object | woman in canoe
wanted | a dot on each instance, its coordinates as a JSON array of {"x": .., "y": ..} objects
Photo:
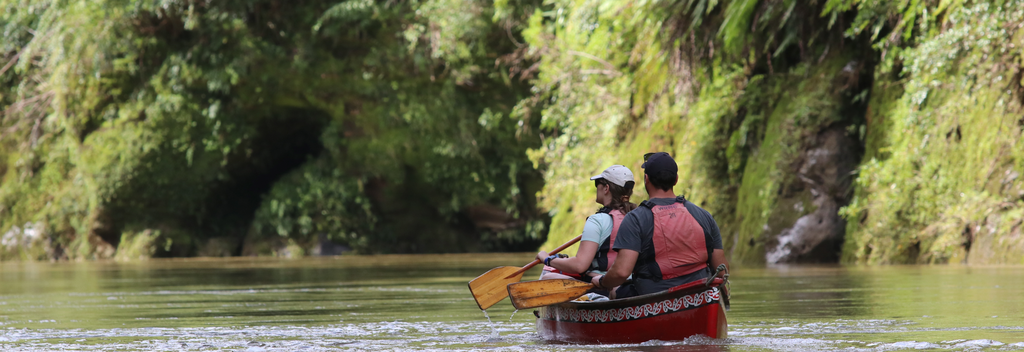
[{"x": 614, "y": 186}]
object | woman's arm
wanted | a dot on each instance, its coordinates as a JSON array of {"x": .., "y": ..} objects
[
  {"x": 579, "y": 263},
  {"x": 593, "y": 231}
]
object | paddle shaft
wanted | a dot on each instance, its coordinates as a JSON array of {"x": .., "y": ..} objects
[
  {"x": 491, "y": 287},
  {"x": 537, "y": 261}
]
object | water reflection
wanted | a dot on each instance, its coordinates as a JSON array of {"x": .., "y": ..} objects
[
  {"x": 422, "y": 303},
  {"x": 810, "y": 292}
]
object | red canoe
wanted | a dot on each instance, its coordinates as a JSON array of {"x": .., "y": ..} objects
[{"x": 675, "y": 314}]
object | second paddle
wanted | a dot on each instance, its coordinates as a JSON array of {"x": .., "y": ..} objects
[{"x": 532, "y": 294}]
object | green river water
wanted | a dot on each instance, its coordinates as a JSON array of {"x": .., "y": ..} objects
[{"x": 421, "y": 302}]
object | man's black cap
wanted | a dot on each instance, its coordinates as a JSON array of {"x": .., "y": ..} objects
[{"x": 660, "y": 164}]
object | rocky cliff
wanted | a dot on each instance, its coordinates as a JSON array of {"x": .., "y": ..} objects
[{"x": 814, "y": 132}]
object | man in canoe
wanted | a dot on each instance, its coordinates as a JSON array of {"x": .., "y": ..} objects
[
  {"x": 613, "y": 188},
  {"x": 667, "y": 241}
]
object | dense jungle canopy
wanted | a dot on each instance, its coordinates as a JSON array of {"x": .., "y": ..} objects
[{"x": 855, "y": 131}]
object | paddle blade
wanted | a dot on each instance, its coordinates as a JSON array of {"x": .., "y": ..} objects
[
  {"x": 490, "y": 288},
  {"x": 532, "y": 294},
  {"x": 723, "y": 324}
]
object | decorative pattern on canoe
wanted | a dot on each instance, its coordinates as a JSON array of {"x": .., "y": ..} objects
[{"x": 631, "y": 313}]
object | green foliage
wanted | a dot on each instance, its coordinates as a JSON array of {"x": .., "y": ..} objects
[
  {"x": 137, "y": 246},
  {"x": 184, "y": 128},
  {"x": 309, "y": 201},
  {"x": 176, "y": 117}
]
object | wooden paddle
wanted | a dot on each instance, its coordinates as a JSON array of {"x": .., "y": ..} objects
[
  {"x": 491, "y": 287},
  {"x": 532, "y": 294}
]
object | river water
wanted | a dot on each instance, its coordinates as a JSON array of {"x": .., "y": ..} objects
[{"x": 421, "y": 302}]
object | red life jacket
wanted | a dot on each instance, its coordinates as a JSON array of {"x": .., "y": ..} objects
[
  {"x": 678, "y": 240},
  {"x": 605, "y": 256}
]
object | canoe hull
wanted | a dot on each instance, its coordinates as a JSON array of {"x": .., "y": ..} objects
[{"x": 676, "y": 314}]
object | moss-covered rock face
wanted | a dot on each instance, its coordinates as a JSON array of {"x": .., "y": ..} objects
[
  {"x": 872, "y": 132},
  {"x": 798, "y": 176},
  {"x": 764, "y": 127},
  {"x": 940, "y": 179}
]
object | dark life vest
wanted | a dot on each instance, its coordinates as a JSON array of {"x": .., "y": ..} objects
[
  {"x": 605, "y": 256},
  {"x": 678, "y": 241}
]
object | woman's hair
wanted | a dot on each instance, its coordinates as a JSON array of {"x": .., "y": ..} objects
[{"x": 620, "y": 195}]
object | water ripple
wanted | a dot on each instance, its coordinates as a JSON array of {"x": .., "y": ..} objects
[{"x": 444, "y": 336}]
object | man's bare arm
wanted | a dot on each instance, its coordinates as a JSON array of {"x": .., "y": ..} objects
[{"x": 717, "y": 258}]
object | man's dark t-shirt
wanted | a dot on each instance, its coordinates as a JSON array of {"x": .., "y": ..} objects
[{"x": 636, "y": 233}]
